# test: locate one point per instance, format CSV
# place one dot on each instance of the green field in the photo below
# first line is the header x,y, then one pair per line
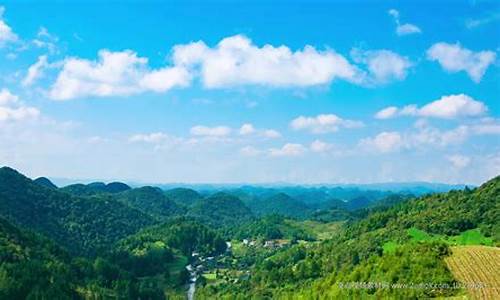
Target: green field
x,y
319,230
469,237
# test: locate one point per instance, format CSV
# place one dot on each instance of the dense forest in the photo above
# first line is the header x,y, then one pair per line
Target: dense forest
x,y
100,241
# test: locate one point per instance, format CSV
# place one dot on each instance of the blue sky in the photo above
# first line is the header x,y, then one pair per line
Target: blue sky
x,y
297,91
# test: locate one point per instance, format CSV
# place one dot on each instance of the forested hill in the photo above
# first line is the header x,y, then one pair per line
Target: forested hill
x,y
183,196
81,224
95,188
45,182
150,200
32,266
279,203
221,209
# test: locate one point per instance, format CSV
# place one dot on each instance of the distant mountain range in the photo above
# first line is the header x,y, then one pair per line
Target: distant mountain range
x,y
416,188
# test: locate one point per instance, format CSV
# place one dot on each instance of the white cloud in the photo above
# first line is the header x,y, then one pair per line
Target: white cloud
x,y
250,151
237,61
423,137
455,58
6,97
430,136
288,149
234,61
247,129
18,113
447,107
44,39
403,29
218,131
114,74
384,142
486,126
11,109
473,23
387,113
459,161
323,123
35,71
383,65
320,146
154,138
271,134
6,33
453,106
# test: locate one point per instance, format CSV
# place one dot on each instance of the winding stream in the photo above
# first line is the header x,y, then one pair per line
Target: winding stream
x,y
192,282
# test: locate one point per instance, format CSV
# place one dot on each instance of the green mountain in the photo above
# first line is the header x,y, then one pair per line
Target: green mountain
x,y
183,196
221,209
280,204
150,200
81,224
95,188
44,181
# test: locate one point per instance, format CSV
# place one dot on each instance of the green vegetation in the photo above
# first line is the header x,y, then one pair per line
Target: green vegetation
x,y
83,225
183,196
272,227
150,201
221,210
405,243
95,188
281,204
108,241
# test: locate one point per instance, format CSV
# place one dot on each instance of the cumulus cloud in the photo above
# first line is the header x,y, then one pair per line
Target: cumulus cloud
x,y
246,129
455,58
11,109
459,161
114,74
6,97
35,71
403,29
249,129
387,113
383,65
271,134
288,149
422,136
236,61
323,123
320,146
6,33
154,138
217,131
447,107
384,142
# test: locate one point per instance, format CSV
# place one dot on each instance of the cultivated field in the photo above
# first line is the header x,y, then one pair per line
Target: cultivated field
x,y
478,267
